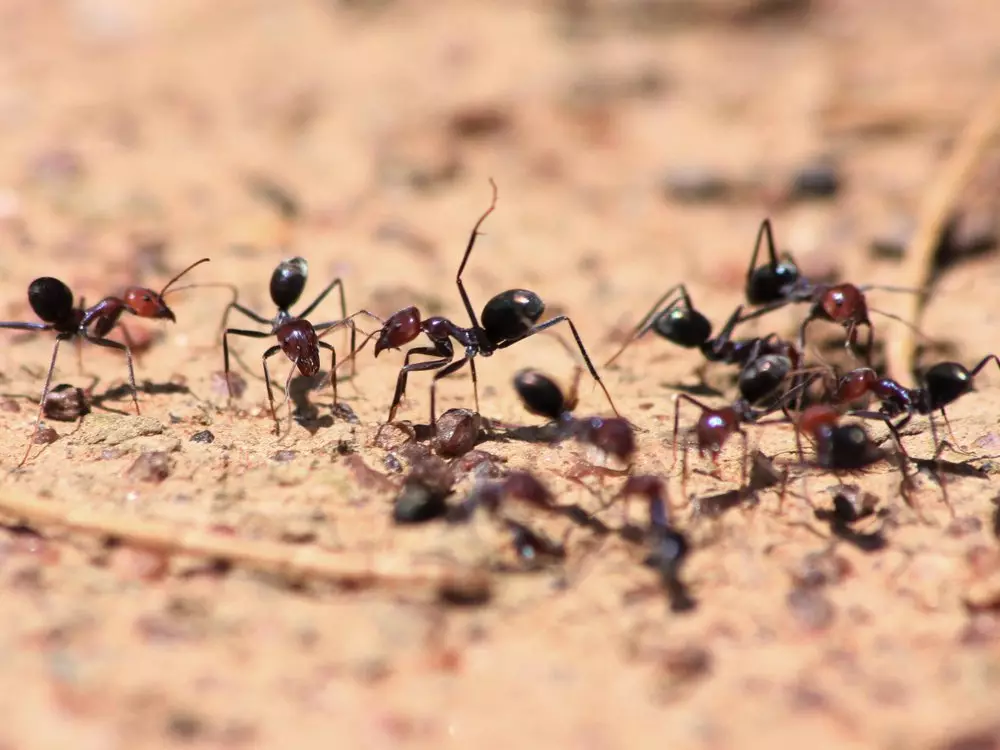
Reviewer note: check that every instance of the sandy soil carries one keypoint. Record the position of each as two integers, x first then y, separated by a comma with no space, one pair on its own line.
125,126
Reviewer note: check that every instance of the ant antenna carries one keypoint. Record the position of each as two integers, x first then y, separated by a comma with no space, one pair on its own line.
644,324
182,273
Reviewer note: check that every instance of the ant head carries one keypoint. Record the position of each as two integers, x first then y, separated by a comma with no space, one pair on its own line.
844,303
399,330
769,283
540,395
147,304
612,435
511,314
763,376
301,345
855,384
945,382
683,325
288,281
847,447
51,299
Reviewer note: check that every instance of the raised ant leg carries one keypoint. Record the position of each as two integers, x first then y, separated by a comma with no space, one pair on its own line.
643,326
983,362
468,251
333,368
579,343
225,349
267,382
677,414
109,344
443,373
764,232
407,368
45,392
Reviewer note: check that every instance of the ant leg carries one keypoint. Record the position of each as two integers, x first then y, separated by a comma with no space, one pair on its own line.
348,320
893,429
443,373
475,382
468,251
333,369
677,412
764,232
646,323
41,404
983,362
109,344
225,350
267,382
579,343
406,369
335,284
234,305
743,458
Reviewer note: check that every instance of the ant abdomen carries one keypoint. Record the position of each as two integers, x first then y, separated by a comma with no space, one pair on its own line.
845,447
768,284
763,376
288,281
946,382
683,326
540,395
51,299
511,314
400,329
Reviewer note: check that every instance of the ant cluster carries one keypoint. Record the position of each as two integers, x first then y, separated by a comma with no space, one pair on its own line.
773,380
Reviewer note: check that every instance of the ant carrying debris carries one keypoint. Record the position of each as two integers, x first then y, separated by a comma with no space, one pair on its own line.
682,324
541,395
297,337
508,318
52,301
779,283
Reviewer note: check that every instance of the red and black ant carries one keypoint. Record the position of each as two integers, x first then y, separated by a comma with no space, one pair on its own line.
52,301
508,318
682,324
297,337
542,396
779,283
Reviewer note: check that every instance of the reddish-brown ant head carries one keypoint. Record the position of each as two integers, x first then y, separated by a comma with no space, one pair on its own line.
844,303
713,430
146,303
51,299
300,344
855,384
400,329
816,417
613,435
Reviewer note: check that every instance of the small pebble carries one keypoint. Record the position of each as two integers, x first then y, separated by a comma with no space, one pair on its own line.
139,564
696,185
457,430
425,492
45,436
153,466
65,403
205,436
10,406
820,179
345,412
283,456
810,608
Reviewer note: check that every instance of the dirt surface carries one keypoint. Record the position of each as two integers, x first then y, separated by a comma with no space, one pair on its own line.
135,138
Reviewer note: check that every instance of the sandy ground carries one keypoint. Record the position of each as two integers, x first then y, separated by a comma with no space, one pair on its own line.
125,126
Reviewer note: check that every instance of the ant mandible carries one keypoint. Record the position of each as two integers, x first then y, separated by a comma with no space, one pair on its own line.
297,337
779,283
508,318
542,396
52,301
682,324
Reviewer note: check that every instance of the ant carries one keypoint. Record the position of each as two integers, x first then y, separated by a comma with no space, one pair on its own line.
297,337
52,301
508,318
542,396
716,425
682,324
840,447
779,283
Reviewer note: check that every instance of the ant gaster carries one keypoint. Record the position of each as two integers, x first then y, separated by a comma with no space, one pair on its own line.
542,396
297,337
683,325
52,301
508,318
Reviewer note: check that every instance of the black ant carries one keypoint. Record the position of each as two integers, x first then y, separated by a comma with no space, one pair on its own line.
682,324
779,283
508,318
297,337
542,396
52,301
